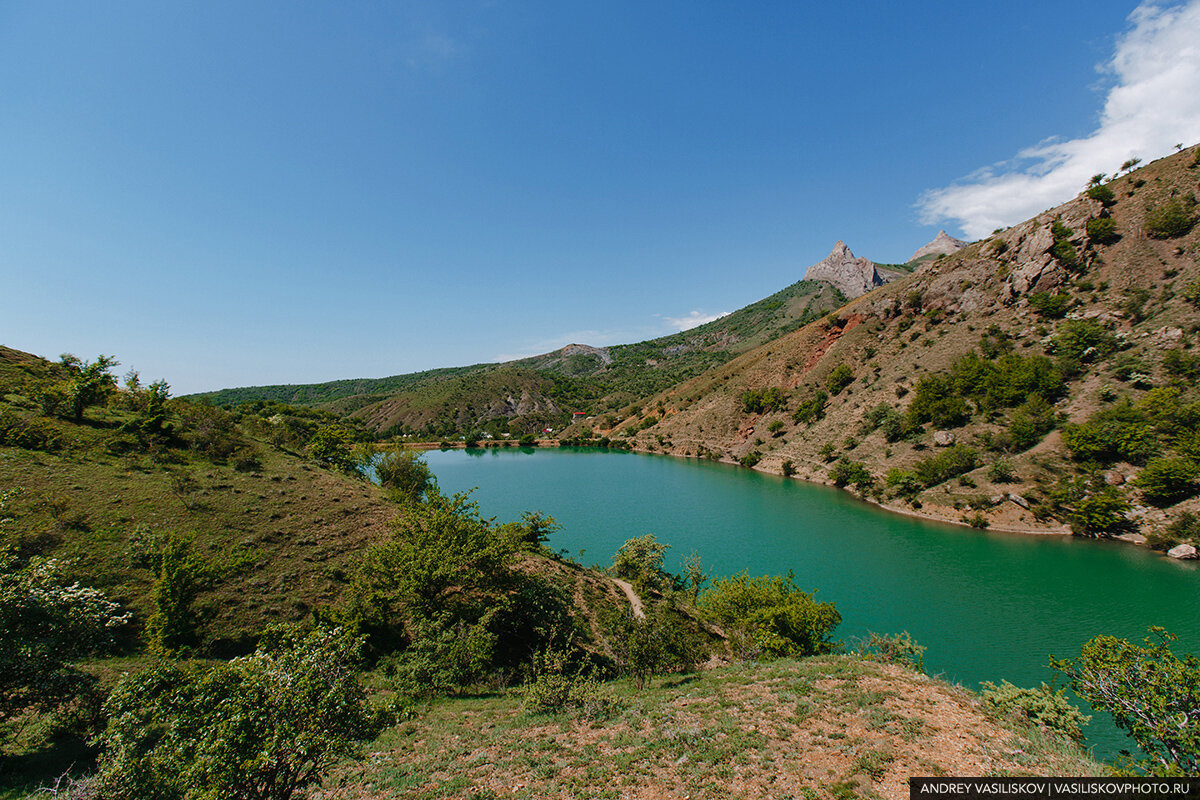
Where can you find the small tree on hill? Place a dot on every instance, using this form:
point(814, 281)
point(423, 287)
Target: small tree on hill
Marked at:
point(91, 382)
point(1152, 694)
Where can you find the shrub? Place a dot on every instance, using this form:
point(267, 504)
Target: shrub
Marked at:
point(935, 401)
point(1101, 512)
point(772, 615)
point(750, 459)
point(812, 409)
point(887, 420)
point(1171, 219)
point(1051, 306)
point(846, 472)
point(1167, 480)
point(1182, 365)
point(905, 482)
point(841, 377)
point(1030, 421)
point(1002, 472)
point(1120, 433)
point(1103, 194)
point(444, 654)
point(640, 560)
point(761, 401)
point(404, 474)
point(775, 428)
point(180, 576)
point(788, 468)
point(1103, 230)
point(528, 440)
point(1062, 249)
point(1149, 691)
point(263, 727)
point(1042, 706)
point(45, 624)
point(558, 685)
point(895, 648)
point(950, 463)
point(1083, 340)
point(658, 643)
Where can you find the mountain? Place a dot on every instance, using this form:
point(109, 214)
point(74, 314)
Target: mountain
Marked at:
point(1021, 382)
point(851, 276)
point(942, 245)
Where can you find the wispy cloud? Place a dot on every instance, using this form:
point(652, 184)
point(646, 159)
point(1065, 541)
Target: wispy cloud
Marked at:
point(693, 319)
point(1153, 104)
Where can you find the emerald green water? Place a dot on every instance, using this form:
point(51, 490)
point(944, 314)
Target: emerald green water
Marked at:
point(987, 605)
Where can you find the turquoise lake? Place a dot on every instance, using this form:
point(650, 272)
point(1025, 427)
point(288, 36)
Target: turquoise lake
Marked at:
point(988, 606)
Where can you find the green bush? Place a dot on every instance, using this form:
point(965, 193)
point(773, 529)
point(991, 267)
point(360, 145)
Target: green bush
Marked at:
point(658, 643)
point(181, 575)
point(1171, 219)
point(761, 401)
point(1103, 194)
point(1042, 706)
point(558, 685)
point(887, 420)
point(770, 615)
point(404, 474)
point(812, 409)
point(935, 401)
point(1167, 480)
point(904, 482)
point(1103, 230)
point(1029, 422)
point(1120, 433)
point(846, 472)
point(895, 648)
point(46, 623)
point(1182, 365)
point(1083, 341)
point(1098, 513)
point(1002, 472)
point(788, 468)
point(1062, 249)
point(750, 459)
point(640, 561)
point(263, 727)
point(950, 463)
point(1051, 306)
point(841, 377)
point(444, 655)
point(1182, 530)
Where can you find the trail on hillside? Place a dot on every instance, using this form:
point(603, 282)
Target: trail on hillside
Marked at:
point(634, 600)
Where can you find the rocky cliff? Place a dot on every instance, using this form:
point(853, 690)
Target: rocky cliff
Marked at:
point(942, 245)
point(852, 276)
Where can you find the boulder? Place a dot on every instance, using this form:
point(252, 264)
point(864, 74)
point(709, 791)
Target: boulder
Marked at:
point(1114, 478)
point(1182, 551)
point(1019, 500)
point(943, 438)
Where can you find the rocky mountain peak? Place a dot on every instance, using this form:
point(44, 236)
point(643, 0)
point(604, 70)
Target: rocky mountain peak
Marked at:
point(852, 276)
point(942, 244)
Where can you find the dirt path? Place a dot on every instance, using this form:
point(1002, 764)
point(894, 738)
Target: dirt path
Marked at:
point(634, 600)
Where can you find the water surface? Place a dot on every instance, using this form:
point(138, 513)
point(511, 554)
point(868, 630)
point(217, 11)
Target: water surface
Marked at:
point(987, 605)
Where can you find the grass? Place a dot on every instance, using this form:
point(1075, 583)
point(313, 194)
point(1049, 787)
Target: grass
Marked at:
point(732, 731)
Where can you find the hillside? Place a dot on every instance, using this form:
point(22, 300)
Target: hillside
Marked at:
point(994, 385)
point(529, 394)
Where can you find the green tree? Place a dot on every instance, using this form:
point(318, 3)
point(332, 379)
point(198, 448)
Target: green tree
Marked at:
point(1167, 480)
point(640, 561)
point(1152, 694)
point(91, 382)
point(657, 643)
point(45, 624)
point(263, 727)
point(771, 615)
point(330, 446)
point(181, 575)
point(404, 474)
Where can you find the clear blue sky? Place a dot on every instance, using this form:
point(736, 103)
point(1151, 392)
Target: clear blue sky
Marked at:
point(229, 193)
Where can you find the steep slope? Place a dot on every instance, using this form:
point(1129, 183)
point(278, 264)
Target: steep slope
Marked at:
point(1103, 288)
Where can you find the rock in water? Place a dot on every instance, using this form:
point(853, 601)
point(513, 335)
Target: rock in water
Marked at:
point(852, 276)
point(1182, 551)
point(942, 245)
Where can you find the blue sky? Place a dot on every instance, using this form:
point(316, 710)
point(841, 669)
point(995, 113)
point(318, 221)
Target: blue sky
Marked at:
point(226, 194)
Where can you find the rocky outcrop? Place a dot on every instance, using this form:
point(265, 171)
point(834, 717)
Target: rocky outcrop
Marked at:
point(1182, 551)
point(942, 245)
point(852, 276)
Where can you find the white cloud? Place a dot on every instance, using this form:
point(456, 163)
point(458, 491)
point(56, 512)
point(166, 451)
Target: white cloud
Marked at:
point(692, 320)
point(1153, 104)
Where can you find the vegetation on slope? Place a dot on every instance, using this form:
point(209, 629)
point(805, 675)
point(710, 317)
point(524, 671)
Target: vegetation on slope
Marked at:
point(1044, 377)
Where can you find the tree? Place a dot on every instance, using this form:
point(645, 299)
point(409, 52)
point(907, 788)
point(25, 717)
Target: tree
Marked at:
point(640, 560)
point(771, 615)
point(46, 623)
point(262, 727)
point(404, 474)
point(91, 382)
point(1152, 694)
point(180, 576)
